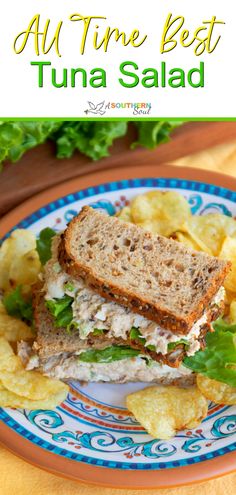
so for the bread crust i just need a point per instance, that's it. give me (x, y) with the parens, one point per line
(107, 289)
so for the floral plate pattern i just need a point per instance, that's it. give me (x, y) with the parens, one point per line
(93, 426)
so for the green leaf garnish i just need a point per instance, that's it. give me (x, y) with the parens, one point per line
(218, 359)
(44, 243)
(91, 138)
(98, 331)
(18, 137)
(151, 347)
(62, 311)
(16, 305)
(173, 345)
(221, 324)
(136, 335)
(151, 134)
(108, 355)
(69, 286)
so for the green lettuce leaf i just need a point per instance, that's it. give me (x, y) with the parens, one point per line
(108, 355)
(16, 305)
(151, 347)
(221, 324)
(62, 311)
(98, 331)
(136, 335)
(18, 137)
(151, 134)
(69, 286)
(64, 319)
(173, 345)
(218, 359)
(44, 243)
(91, 138)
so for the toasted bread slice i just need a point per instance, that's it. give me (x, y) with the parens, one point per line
(156, 277)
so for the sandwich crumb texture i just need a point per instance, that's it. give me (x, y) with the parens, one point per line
(154, 276)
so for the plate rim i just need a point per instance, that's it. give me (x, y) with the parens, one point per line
(195, 473)
(100, 476)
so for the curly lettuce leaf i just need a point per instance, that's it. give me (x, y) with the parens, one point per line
(151, 134)
(44, 243)
(16, 305)
(218, 359)
(221, 324)
(108, 355)
(91, 138)
(61, 310)
(18, 137)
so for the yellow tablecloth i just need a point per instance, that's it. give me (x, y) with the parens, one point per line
(21, 478)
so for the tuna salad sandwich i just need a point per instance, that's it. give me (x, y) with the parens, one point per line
(119, 304)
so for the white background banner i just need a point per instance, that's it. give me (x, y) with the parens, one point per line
(187, 81)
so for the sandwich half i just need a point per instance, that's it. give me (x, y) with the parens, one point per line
(117, 303)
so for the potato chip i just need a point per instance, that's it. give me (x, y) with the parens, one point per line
(160, 212)
(10, 399)
(232, 312)
(24, 270)
(209, 231)
(8, 360)
(200, 246)
(13, 329)
(163, 411)
(31, 384)
(217, 392)
(230, 297)
(19, 261)
(186, 239)
(228, 252)
(125, 214)
(6, 255)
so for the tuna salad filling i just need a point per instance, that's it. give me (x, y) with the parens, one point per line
(78, 308)
(137, 368)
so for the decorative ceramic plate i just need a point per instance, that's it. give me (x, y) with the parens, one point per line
(92, 436)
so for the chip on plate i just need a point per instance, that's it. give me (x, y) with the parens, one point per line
(14, 329)
(31, 384)
(232, 312)
(10, 399)
(209, 231)
(217, 392)
(160, 212)
(186, 239)
(9, 362)
(19, 260)
(163, 411)
(24, 270)
(125, 214)
(228, 252)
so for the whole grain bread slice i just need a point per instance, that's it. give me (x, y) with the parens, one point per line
(153, 276)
